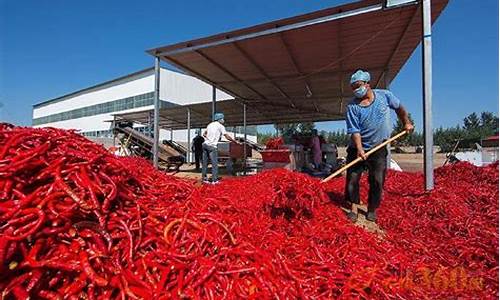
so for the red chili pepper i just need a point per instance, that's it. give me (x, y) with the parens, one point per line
(275, 143)
(130, 240)
(50, 295)
(26, 230)
(99, 226)
(71, 193)
(87, 268)
(112, 194)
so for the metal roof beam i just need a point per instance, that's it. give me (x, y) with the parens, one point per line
(255, 119)
(333, 17)
(302, 109)
(257, 109)
(171, 120)
(263, 73)
(295, 77)
(396, 49)
(295, 65)
(229, 73)
(293, 120)
(278, 119)
(341, 75)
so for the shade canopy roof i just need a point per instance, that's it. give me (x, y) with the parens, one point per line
(297, 69)
(201, 114)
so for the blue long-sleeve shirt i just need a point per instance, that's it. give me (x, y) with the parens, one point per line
(372, 122)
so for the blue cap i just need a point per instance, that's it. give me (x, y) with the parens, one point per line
(360, 75)
(218, 116)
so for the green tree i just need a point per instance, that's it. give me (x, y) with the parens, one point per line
(339, 138)
(398, 127)
(287, 131)
(472, 122)
(416, 139)
(263, 137)
(477, 128)
(489, 123)
(446, 138)
(306, 127)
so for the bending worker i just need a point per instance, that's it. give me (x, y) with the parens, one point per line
(368, 121)
(212, 136)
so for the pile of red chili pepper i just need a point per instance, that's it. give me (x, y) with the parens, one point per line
(450, 234)
(275, 143)
(77, 222)
(276, 151)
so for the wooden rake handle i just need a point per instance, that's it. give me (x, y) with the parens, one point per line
(352, 163)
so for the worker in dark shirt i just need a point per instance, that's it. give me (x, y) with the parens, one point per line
(197, 149)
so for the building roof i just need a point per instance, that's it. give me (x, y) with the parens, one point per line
(300, 66)
(491, 138)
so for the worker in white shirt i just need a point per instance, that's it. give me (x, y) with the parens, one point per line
(212, 136)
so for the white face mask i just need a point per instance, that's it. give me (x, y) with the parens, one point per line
(221, 121)
(360, 92)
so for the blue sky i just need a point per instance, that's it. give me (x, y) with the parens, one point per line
(50, 48)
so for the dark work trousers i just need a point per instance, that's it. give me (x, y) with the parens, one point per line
(376, 164)
(198, 153)
(209, 152)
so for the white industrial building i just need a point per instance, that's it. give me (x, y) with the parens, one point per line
(90, 110)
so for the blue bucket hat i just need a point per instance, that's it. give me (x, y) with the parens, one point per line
(218, 116)
(360, 75)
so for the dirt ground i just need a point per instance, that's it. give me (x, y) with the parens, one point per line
(413, 162)
(189, 171)
(409, 162)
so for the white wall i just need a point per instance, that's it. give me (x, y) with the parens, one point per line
(91, 123)
(136, 85)
(174, 87)
(184, 89)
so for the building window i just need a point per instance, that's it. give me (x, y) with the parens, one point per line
(101, 108)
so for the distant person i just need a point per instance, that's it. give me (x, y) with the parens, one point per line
(322, 139)
(316, 149)
(212, 136)
(197, 149)
(368, 122)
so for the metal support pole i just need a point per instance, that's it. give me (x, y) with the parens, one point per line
(156, 119)
(389, 156)
(214, 96)
(114, 132)
(427, 93)
(244, 139)
(150, 124)
(188, 153)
